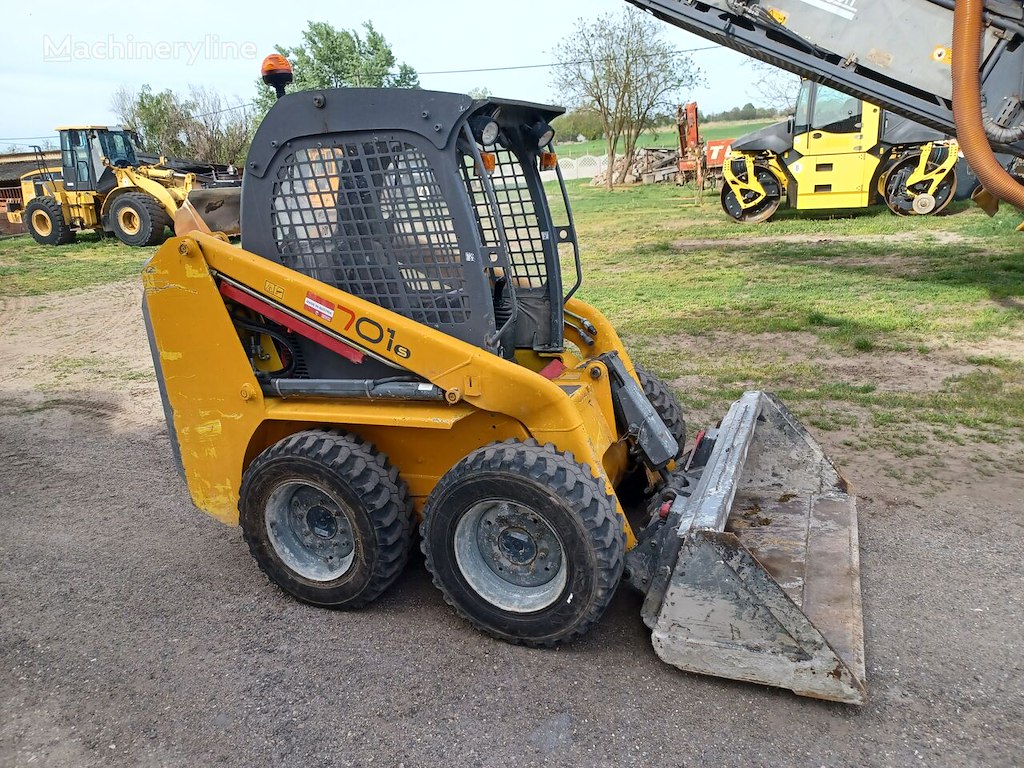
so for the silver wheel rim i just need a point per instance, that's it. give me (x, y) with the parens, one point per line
(510, 556)
(310, 531)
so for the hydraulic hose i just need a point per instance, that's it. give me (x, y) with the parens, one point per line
(967, 110)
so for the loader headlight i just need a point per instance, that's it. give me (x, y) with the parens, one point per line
(542, 132)
(484, 129)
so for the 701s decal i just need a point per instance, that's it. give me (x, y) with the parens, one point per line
(368, 329)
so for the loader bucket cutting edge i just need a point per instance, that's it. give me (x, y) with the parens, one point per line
(765, 583)
(210, 210)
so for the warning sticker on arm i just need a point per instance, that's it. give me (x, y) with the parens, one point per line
(322, 308)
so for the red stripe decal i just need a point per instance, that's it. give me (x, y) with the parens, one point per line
(271, 312)
(553, 370)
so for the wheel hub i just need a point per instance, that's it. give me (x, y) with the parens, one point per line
(924, 204)
(310, 531)
(42, 223)
(510, 555)
(129, 221)
(517, 546)
(321, 522)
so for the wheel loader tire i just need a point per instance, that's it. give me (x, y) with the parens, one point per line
(44, 220)
(327, 518)
(665, 403)
(138, 219)
(524, 543)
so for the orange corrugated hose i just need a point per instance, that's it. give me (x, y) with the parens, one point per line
(970, 129)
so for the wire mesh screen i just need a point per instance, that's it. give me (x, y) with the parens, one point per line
(370, 218)
(518, 216)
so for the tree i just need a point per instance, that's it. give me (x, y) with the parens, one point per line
(580, 122)
(160, 119)
(338, 58)
(622, 69)
(480, 92)
(219, 132)
(775, 87)
(201, 126)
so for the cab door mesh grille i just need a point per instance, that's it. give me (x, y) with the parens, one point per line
(369, 217)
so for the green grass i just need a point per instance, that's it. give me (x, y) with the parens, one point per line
(844, 279)
(667, 137)
(27, 268)
(673, 275)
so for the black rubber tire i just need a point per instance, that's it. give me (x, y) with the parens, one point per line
(60, 233)
(665, 403)
(569, 499)
(152, 219)
(358, 478)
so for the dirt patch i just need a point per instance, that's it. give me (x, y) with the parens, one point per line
(79, 352)
(135, 630)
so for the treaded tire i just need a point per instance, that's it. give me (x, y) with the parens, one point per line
(569, 500)
(59, 232)
(151, 219)
(665, 403)
(367, 490)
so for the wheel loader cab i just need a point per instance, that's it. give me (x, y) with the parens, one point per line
(86, 153)
(430, 205)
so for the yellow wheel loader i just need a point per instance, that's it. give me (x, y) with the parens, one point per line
(395, 344)
(100, 185)
(838, 152)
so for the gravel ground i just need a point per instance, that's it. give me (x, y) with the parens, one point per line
(134, 630)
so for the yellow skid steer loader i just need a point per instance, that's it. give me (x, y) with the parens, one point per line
(395, 343)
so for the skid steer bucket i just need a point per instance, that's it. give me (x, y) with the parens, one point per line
(208, 211)
(759, 577)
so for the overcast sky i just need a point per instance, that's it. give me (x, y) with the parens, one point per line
(68, 59)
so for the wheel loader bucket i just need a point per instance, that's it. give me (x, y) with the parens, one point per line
(209, 211)
(760, 578)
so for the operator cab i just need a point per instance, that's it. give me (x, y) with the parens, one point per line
(87, 151)
(429, 204)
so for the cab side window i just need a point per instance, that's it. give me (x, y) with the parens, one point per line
(802, 115)
(835, 112)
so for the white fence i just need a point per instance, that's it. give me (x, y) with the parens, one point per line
(586, 167)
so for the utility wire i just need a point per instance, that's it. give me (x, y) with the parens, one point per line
(435, 72)
(556, 63)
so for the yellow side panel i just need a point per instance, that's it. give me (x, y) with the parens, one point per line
(424, 455)
(835, 170)
(82, 205)
(213, 416)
